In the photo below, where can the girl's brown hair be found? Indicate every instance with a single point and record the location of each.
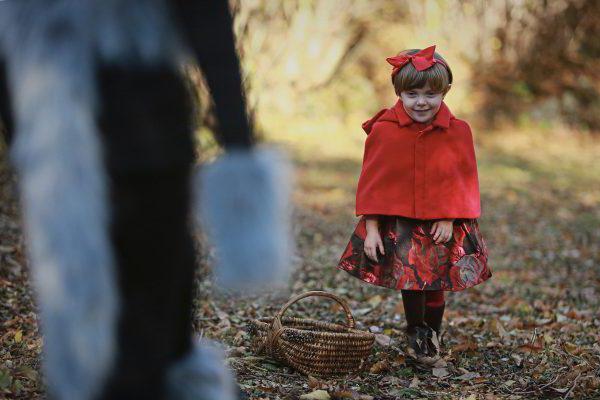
(438, 76)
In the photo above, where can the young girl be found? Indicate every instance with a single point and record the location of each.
(418, 195)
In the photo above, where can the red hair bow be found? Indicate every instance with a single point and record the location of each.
(422, 60)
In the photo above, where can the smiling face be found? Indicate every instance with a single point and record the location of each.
(422, 104)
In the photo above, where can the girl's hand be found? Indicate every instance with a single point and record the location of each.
(372, 243)
(442, 230)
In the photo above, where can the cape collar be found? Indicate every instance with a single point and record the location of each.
(398, 114)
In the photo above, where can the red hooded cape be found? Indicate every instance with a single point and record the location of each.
(418, 171)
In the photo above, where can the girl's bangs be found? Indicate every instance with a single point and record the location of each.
(409, 78)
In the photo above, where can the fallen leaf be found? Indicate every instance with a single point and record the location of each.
(390, 380)
(441, 363)
(435, 341)
(561, 390)
(401, 359)
(499, 328)
(237, 351)
(414, 383)
(18, 336)
(403, 393)
(375, 301)
(314, 383)
(238, 338)
(27, 372)
(345, 394)
(465, 346)
(530, 348)
(575, 315)
(426, 360)
(316, 395)
(572, 348)
(561, 318)
(383, 340)
(379, 367)
(440, 372)
(399, 308)
(267, 389)
(468, 376)
(518, 359)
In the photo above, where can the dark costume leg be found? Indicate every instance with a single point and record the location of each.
(6, 120)
(145, 124)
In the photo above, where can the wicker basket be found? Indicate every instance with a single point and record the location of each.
(313, 347)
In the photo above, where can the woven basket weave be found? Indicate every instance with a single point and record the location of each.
(314, 347)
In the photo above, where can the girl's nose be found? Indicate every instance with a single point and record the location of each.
(421, 101)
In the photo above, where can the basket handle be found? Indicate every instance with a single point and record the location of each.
(320, 293)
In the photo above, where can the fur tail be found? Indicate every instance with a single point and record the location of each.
(244, 200)
(63, 191)
(201, 375)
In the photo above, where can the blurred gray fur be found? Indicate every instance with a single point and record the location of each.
(244, 202)
(201, 375)
(51, 48)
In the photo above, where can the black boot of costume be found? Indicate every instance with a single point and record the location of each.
(416, 329)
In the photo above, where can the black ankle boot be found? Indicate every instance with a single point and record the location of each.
(418, 340)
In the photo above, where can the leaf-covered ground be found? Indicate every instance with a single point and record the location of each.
(529, 332)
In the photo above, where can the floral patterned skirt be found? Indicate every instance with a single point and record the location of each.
(413, 261)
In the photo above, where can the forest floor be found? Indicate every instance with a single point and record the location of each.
(531, 331)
